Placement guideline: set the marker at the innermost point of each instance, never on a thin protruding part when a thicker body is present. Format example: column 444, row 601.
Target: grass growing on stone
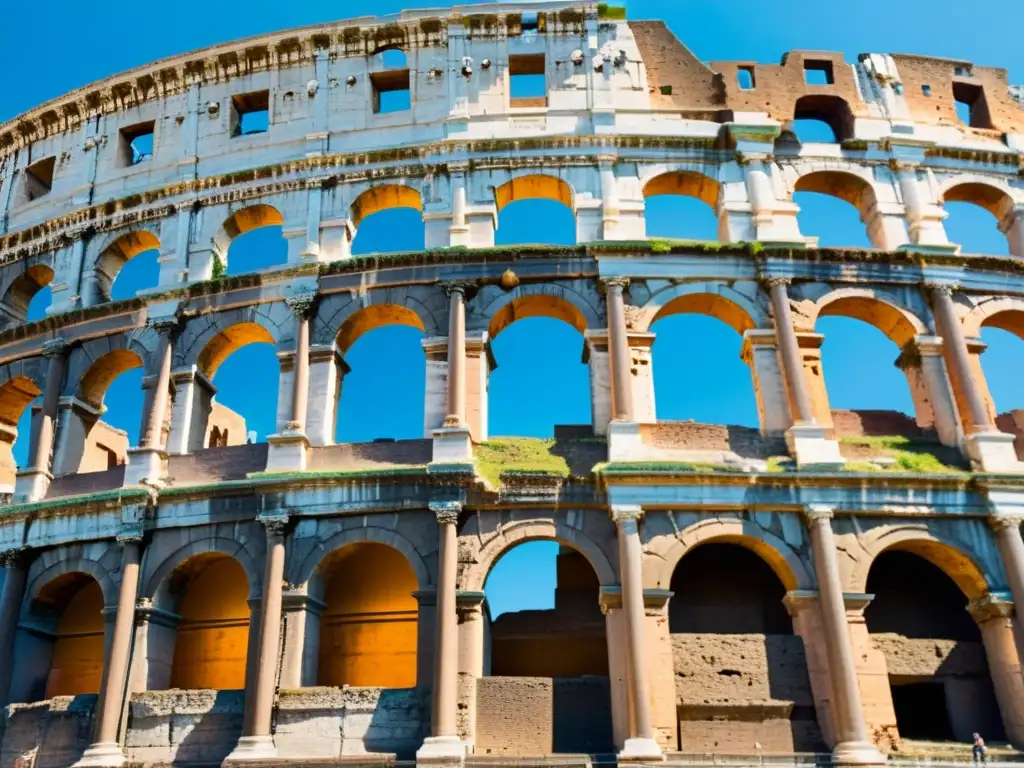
column 520, row 454
column 909, row 456
column 670, row 467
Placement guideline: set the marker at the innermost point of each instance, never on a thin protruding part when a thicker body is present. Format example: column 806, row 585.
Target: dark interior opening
column 921, row 711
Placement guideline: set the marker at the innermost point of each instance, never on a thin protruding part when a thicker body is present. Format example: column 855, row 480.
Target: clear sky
column 50, row 48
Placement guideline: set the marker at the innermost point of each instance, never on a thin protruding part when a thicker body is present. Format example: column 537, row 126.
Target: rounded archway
column 128, row 265
column 681, row 205
column 535, row 209
column 388, row 217
column 251, row 238
column 834, row 206
column 975, row 214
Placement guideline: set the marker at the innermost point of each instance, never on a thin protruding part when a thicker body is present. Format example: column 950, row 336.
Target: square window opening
column 39, row 179
column 250, row 113
column 391, row 91
column 527, row 81
column 136, row 143
column 971, row 106
column 818, row 72
column 963, row 71
column 926, row 90
column 745, row 78
column 529, row 21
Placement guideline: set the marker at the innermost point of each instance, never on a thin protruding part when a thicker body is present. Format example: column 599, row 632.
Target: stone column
column 327, row 370
column 16, row 563
column 1011, row 550
column 105, row 749
column 618, row 352
column 147, row 464
column 924, row 219
column 641, row 744
column 762, row 355
column 444, row 744
column 853, row 746
column 33, row 482
column 471, row 660
column 256, row 742
column 1012, row 225
column 995, row 621
column 806, row 438
column 988, row 448
column 289, row 449
column 452, row 443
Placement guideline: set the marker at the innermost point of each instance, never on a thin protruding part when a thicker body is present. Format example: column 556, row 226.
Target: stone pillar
column 471, row 607
column 886, row 224
column 300, row 655
column 147, row 464
column 33, row 481
column 610, row 599
column 641, row 745
column 853, row 746
column 327, row 370
column 1012, row 225
column 452, row 442
column 806, row 439
column 458, row 230
column 105, row 749
column 1011, row 551
column 803, row 607
column 774, row 220
column 624, row 441
column 16, row 563
column 987, row 448
column 289, row 449
column 444, row 744
column 336, row 237
column 595, row 355
column 256, row 742
column 924, row 220
column 995, row 620
column 762, row 355
column 934, row 405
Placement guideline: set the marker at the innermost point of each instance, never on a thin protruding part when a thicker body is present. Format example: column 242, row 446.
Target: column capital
column 607, row 160
column 774, row 280
column 451, row 287
column 899, row 166
column 274, row 522
column 457, row 166
column 165, row 326
column 615, row 283
column 815, row 513
column 1001, row 522
column 15, row 558
column 301, row 304
column 130, row 535
column 625, row 512
column 55, row 347
column 991, row 606
column 945, row 289
column 470, row 605
column 446, row 511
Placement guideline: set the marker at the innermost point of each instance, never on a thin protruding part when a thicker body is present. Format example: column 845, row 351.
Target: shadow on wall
column 200, row 726
column 48, row 734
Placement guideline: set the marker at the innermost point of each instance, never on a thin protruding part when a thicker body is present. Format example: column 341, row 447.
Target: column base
column 993, row 452
column 624, row 441
column 103, row 754
column 287, row 452
column 447, row 750
column 31, row 485
column 857, row 753
column 811, row 449
column 146, row 466
column 639, row 750
column 452, row 445
column 252, row 748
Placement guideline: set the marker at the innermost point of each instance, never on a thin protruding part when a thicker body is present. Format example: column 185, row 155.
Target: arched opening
column 736, row 658
column 210, row 594
column 974, row 215
column 825, row 199
column 821, row 118
column 882, row 390
column 681, row 205
column 29, row 295
column 251, row 239
column 127, row 266
column 367, row 633
column 386, row 376
column 535, row 210
column 703, row 332
column 938, row 670
column 388, row 218
column 63, row 653
column 533, row 336
column 99, row 436
column 236, row 398
column 16, row 395
column 547, row 670
column 1000, row 368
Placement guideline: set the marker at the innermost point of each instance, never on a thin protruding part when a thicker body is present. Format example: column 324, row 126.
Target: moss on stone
column 611, row 12
column 913, row 456
column 662, row 467
column 528, row 455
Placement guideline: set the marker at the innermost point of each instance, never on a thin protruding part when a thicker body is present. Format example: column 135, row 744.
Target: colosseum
column 831, row 583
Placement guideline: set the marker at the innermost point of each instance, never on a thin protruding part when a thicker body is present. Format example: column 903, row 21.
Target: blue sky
column 539, row 381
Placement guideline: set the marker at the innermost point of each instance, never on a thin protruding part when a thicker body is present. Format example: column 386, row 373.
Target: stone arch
column 833, row 110
column 1003, row 312
column 156, row 584
column 42, row 573
column 309, row 566
column 116, row 253
column 687, row 183
column 473, row 577
column 210, row 339
column 383, row 197
column 953, row 559
column 344, row 318
column 535, row 186
column 851, row 185
column 241, row 221
column 496, row 309
column 739, row 312
column 664, row 553
column 882, row 310
column 21, row 287
column 994, row 195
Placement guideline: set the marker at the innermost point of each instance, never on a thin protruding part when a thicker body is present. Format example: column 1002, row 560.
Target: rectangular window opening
column 39, row 178
column 529, row 21
column 926, row 90
column 527, row 81
column 818, row 72
column 745, row 78
column 391, row 91
column 971, row 106
column 136, row 143
column 250, row 113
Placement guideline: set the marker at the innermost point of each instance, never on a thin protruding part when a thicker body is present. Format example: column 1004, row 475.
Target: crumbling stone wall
column 47, row 734
column 179, row 725
column 675, row 77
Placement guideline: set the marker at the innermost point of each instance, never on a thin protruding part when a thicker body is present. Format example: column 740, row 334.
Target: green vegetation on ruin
column 524, row 455
column 662, row 467
column 910, row 456
column 611, row 12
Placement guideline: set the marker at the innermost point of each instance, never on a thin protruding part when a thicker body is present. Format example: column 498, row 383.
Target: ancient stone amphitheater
column 813, row 587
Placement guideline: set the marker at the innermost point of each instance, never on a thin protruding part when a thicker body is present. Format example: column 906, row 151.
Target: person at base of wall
column 978, row 749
